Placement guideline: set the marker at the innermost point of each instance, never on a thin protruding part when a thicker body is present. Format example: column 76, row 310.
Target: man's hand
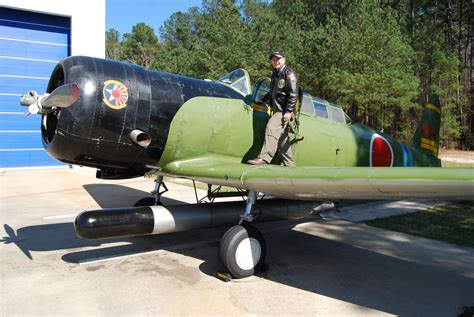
column 286, row 117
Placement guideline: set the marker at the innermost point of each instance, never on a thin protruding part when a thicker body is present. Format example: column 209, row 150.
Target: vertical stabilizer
column 426, row 136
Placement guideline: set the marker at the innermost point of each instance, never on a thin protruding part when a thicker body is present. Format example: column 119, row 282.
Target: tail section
column 426, row 136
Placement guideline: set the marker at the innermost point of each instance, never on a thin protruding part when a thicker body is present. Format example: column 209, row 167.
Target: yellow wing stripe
column 433, row 107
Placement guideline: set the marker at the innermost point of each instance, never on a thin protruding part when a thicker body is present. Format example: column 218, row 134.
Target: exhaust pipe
column 134, row 221
column 140, row 138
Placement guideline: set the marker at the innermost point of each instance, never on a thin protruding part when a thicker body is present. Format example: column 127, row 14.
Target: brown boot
column 257, row 161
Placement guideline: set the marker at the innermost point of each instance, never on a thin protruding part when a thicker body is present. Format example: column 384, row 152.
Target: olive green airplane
column 128, row 122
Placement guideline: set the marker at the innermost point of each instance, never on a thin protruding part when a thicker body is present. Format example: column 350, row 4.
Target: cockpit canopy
column 314, row 106
column 238, row 80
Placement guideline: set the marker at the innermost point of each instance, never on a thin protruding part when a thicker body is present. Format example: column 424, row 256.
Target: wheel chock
column 223, row 276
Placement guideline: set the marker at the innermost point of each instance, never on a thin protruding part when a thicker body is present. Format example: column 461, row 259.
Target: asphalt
column 329, row 266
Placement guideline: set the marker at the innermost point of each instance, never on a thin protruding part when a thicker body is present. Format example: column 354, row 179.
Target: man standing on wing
column 282, row 96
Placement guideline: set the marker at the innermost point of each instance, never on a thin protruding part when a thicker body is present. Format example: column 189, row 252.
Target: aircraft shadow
column 296, row 259
column 114, row 196
column 61, row 236
column 324, row 267
column 358, row 276
column 42, row 238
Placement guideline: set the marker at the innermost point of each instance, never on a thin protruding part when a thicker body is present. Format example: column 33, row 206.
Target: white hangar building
column 34, row 36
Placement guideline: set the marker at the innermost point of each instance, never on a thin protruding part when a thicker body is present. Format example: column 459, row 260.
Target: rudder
column 426, row 136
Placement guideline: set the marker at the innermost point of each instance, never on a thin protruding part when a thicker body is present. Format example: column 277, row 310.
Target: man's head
column 278, row 59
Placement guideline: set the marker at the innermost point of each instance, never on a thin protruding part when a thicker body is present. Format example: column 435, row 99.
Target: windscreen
column 237, row 79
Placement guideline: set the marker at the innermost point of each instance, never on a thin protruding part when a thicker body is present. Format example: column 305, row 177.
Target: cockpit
column 320, row 108
column 238, row 80
column 311, row 106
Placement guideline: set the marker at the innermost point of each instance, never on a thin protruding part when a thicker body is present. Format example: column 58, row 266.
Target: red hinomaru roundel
column 381, row 153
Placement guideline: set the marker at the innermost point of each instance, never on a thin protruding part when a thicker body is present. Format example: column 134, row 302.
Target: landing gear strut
column 156, row 199
column 242, row 249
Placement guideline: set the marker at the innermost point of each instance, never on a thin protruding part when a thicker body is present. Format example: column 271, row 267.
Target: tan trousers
column 277, row 140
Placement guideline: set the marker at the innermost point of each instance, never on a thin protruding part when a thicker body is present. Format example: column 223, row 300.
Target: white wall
column 87, row 21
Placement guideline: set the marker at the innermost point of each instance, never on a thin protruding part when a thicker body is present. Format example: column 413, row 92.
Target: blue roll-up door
column 31, row 44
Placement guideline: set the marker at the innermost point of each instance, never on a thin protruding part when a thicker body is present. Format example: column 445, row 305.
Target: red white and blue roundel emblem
column 381, row 153
column 115, row 94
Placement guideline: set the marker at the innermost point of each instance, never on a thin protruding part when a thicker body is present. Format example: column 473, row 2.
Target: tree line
column 379, row 59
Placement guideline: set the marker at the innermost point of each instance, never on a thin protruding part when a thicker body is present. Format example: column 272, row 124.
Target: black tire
column 234, row 256
column 147, row 201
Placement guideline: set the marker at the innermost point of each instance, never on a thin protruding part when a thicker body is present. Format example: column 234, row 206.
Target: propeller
column 61, row 97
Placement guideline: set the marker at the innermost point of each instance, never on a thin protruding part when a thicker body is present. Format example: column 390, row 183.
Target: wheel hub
column 248, row 253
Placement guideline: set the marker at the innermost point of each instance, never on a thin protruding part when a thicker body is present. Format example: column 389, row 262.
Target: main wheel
column 147, row 201
column 242, row 251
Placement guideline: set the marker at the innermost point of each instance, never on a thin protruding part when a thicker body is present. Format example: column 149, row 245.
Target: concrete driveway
column 323, row 267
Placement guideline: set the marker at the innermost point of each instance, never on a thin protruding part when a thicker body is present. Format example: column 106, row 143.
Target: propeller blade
column 62, row 97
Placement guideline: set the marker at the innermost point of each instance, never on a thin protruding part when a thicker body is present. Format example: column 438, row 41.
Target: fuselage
column 182, row 117
column 229, row 127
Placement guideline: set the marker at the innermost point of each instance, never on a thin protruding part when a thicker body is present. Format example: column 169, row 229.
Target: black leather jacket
column 283, row 92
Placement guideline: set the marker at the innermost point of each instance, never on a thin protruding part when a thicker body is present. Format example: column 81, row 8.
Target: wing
column 329, row 182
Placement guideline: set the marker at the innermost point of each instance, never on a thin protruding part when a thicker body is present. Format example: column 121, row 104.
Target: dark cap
column 277, row 54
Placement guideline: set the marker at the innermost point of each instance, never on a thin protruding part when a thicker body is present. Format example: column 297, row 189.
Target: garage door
column 31, row 44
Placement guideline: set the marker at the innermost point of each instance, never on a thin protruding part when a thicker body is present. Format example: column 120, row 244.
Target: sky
column 122, row 15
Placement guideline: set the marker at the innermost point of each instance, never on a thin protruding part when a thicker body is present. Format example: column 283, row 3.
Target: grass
column 452, row 223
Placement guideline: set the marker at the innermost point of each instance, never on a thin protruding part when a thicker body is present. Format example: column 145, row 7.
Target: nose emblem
column 115, row 94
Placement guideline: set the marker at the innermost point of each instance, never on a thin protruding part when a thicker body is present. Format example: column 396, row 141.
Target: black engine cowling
column 116, row 99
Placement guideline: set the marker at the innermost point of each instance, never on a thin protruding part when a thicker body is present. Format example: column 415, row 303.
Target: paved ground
column 380, row 209
column 316, row 266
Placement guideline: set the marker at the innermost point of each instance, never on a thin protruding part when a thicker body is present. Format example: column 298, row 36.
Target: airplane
column 127, row 121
